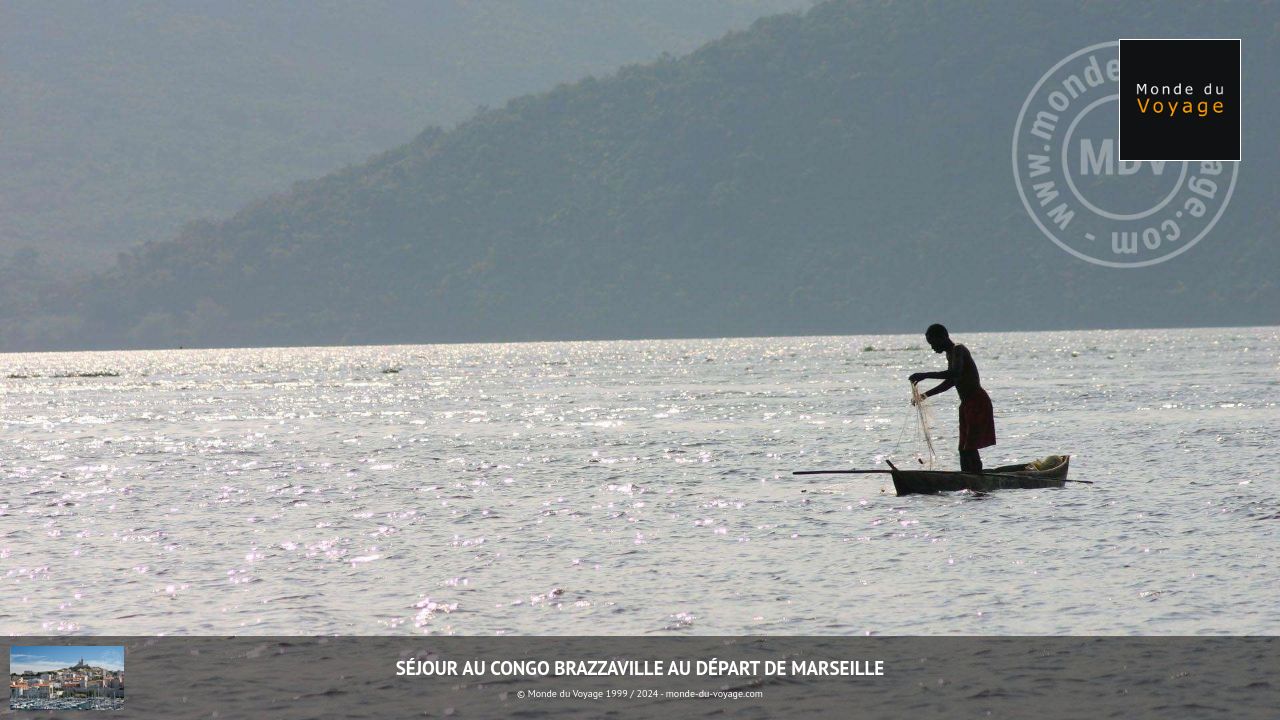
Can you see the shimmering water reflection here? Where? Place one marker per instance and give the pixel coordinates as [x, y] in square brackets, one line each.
[636, 487]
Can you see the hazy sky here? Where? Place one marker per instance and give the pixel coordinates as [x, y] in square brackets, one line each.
[39, 658]
[123, 121]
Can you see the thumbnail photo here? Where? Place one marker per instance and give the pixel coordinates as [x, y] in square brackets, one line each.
[66, 677]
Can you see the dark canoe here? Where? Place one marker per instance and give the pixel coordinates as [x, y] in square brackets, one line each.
[1008, 477]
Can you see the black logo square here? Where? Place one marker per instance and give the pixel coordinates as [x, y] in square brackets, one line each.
[1179, 99]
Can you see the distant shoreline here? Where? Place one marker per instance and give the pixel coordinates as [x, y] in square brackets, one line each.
[961, 331]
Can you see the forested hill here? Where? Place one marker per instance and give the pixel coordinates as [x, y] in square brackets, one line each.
[842, 171]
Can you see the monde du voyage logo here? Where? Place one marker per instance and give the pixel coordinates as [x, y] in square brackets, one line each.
[1135, 212]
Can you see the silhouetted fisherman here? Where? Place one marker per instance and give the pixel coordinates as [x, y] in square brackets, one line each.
[977, 419]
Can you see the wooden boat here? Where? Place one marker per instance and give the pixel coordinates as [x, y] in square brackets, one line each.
[1007, 477]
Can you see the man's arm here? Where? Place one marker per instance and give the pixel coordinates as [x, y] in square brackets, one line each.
[942, 387]
[955, 363]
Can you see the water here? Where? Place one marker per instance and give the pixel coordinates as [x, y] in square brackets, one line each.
[636, 488]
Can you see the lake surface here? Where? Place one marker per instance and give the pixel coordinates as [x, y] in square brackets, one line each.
[637, 488]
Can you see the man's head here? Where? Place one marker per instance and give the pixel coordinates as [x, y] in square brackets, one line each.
[938, 338]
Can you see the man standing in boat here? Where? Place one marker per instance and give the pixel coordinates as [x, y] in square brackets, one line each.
[977, 419]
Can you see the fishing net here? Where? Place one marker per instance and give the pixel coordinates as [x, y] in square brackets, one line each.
[925, 454]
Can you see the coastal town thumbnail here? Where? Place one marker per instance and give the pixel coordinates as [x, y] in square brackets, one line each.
[66, 677]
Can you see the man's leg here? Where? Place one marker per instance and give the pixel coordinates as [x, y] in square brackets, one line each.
[970, 461]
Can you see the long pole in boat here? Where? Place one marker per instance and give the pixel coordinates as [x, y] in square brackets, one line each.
[848, 472]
